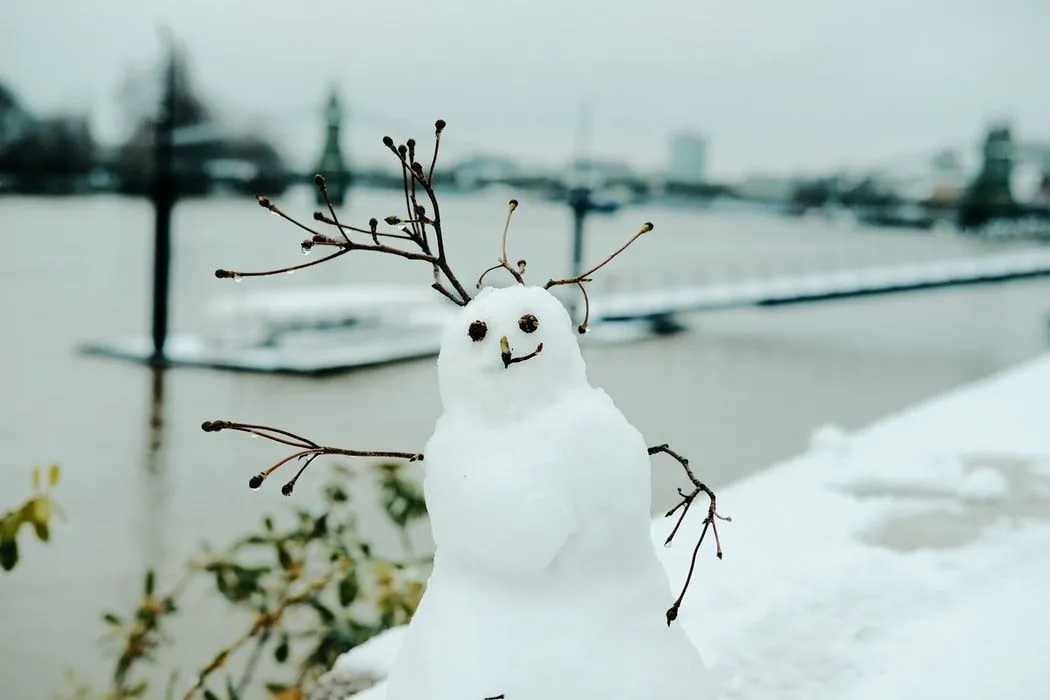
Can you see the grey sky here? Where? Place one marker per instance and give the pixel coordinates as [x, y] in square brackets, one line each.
[777, 85]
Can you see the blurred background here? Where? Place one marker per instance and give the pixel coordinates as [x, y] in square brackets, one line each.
[805, 142]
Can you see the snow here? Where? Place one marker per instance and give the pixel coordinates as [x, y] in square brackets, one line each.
[906, 560]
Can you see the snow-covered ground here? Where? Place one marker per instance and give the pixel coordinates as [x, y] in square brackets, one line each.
[908, 560]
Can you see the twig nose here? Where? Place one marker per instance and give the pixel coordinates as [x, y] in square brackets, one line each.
[504, 351]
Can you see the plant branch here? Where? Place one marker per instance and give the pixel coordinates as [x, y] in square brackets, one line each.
[263, 623]
[415, 226]
[322, 187]
[586, 275]
[682, 507]
[582, 277]
[504, 262]
[308, 450]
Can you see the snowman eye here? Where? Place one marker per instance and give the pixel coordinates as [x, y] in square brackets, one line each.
[477, 331]
[528, 323]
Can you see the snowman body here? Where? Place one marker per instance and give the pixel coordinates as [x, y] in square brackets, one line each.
[545, 583]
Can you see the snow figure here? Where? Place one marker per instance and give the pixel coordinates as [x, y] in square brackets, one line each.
[545, 583]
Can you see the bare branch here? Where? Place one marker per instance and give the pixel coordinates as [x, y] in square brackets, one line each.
[582, 277]
[322, 187]
[308, 450]
[579, 279]
[414, 229]
[710, 521]
[504, 262]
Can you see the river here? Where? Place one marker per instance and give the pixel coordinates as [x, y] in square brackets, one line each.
[739, 391]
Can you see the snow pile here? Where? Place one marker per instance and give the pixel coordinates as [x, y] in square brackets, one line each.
[911, 565]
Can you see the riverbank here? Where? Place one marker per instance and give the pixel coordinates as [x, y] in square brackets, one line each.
[905, 560]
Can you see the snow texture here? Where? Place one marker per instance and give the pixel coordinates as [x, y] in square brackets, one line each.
[912, 566]
[545, 583]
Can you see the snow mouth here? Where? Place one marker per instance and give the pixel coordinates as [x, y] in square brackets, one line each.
[509, 359]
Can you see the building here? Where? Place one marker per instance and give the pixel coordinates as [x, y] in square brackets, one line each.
[688, 161]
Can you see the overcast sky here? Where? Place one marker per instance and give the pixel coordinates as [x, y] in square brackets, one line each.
[777, 85]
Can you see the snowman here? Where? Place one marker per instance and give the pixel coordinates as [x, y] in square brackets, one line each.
[545, 584]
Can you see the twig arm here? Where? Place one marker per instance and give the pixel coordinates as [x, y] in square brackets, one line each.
[307, 452]
[682, 508]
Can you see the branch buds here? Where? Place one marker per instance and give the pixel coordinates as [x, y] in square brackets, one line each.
[439, 126]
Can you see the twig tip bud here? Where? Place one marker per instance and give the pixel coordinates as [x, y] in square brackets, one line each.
[439, 126]
[286, 490]
[319, 181]
[256, 482]
[388, 142]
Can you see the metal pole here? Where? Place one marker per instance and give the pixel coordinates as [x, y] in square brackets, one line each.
[163, 196]
[580, 202]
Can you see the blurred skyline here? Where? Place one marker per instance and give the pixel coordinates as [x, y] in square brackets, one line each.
[812, 85]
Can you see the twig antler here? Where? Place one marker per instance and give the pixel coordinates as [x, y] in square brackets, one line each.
[414, 228]
[579, 279]
[307, 450]
[504, 263]
[710, 521]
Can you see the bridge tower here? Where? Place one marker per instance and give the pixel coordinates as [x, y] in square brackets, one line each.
[988, 196]
[332, 164]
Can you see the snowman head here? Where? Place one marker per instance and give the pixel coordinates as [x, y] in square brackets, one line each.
[509, 350]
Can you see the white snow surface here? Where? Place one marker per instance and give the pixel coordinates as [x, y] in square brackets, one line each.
[907, 560]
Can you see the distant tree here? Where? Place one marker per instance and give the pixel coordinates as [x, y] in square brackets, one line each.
[43, 154]
[198, 160]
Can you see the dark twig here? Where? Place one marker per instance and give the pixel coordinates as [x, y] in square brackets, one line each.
[414, 227]
[586, 275]
[503, 261]
[582, 277]
[508, 359]
[322, 187]
[582, 328]
[682, 507]
[308, 450]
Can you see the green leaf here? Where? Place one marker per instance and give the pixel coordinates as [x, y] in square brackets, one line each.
[284, 557]
[320, 526]
[208, 695]
[8, 554]
[327, 616]
[112, 619]
[52, 475]
[348, 589]
[42, 532]
[280, 653]
[137, 691]
[151, 580]
[268, 523]
[39, 510]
